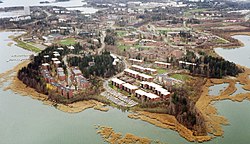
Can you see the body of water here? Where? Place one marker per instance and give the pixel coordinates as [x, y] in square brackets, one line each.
[8, 50]
[28, 121]
[70, 5]
[239, 56]
[239, 89]
[217, 89]
[11, 3]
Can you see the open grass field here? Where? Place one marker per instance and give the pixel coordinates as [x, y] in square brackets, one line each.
[27, 46]
[122, 47]
[189, 12]
[67, 41]
[182, 77]
[121, 33]
[161, 71]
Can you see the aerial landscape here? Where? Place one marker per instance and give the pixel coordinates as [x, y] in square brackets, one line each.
[124, 71]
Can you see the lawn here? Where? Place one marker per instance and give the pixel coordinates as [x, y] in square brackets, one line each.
[181, 77]
[188, 12]
[164, 32]
[27, 46]
[122, 47]
[161, 71]
[219, 41]
[67, 41]
[121, 33]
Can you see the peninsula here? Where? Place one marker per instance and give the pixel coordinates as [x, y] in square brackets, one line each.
[155, 59]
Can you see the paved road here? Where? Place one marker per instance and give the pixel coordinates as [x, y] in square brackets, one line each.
[110, 93]
[103, 35]
[68, 69]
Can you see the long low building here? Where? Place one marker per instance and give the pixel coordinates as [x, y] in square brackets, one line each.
[162, 92]
[149, 85]
[187, 63]
[144, 70]
[136, 61]
[145, 77]
[157, 89]
[144, 96]
[129, 88]
[123, 85]
[138, 75]
[163, 64]
[150, 71]
[138, 68]
[131, 73]
[117, 82]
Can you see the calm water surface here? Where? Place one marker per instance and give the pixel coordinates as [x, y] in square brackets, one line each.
[239, 89]
[239, 55]
[216, 89]
[71, 3]
[28, 121]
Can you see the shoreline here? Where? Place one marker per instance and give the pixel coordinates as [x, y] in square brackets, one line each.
[214, 122]
[212, 50]
[19, 87]
[20, 43]
[234, 34]
[166, 121]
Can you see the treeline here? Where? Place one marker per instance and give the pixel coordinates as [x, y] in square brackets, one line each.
[180, 106]
[110, 38]
[208, 66]
[185, 111]
[31, 77]
[96, 65]
[226, 35]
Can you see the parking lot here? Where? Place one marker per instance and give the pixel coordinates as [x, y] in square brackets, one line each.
[117, 97]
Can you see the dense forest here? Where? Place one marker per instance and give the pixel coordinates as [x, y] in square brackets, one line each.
[110, 37]
[185, 111]
[31, 75]
[208, 66]
[96, 65]
[180, 106]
